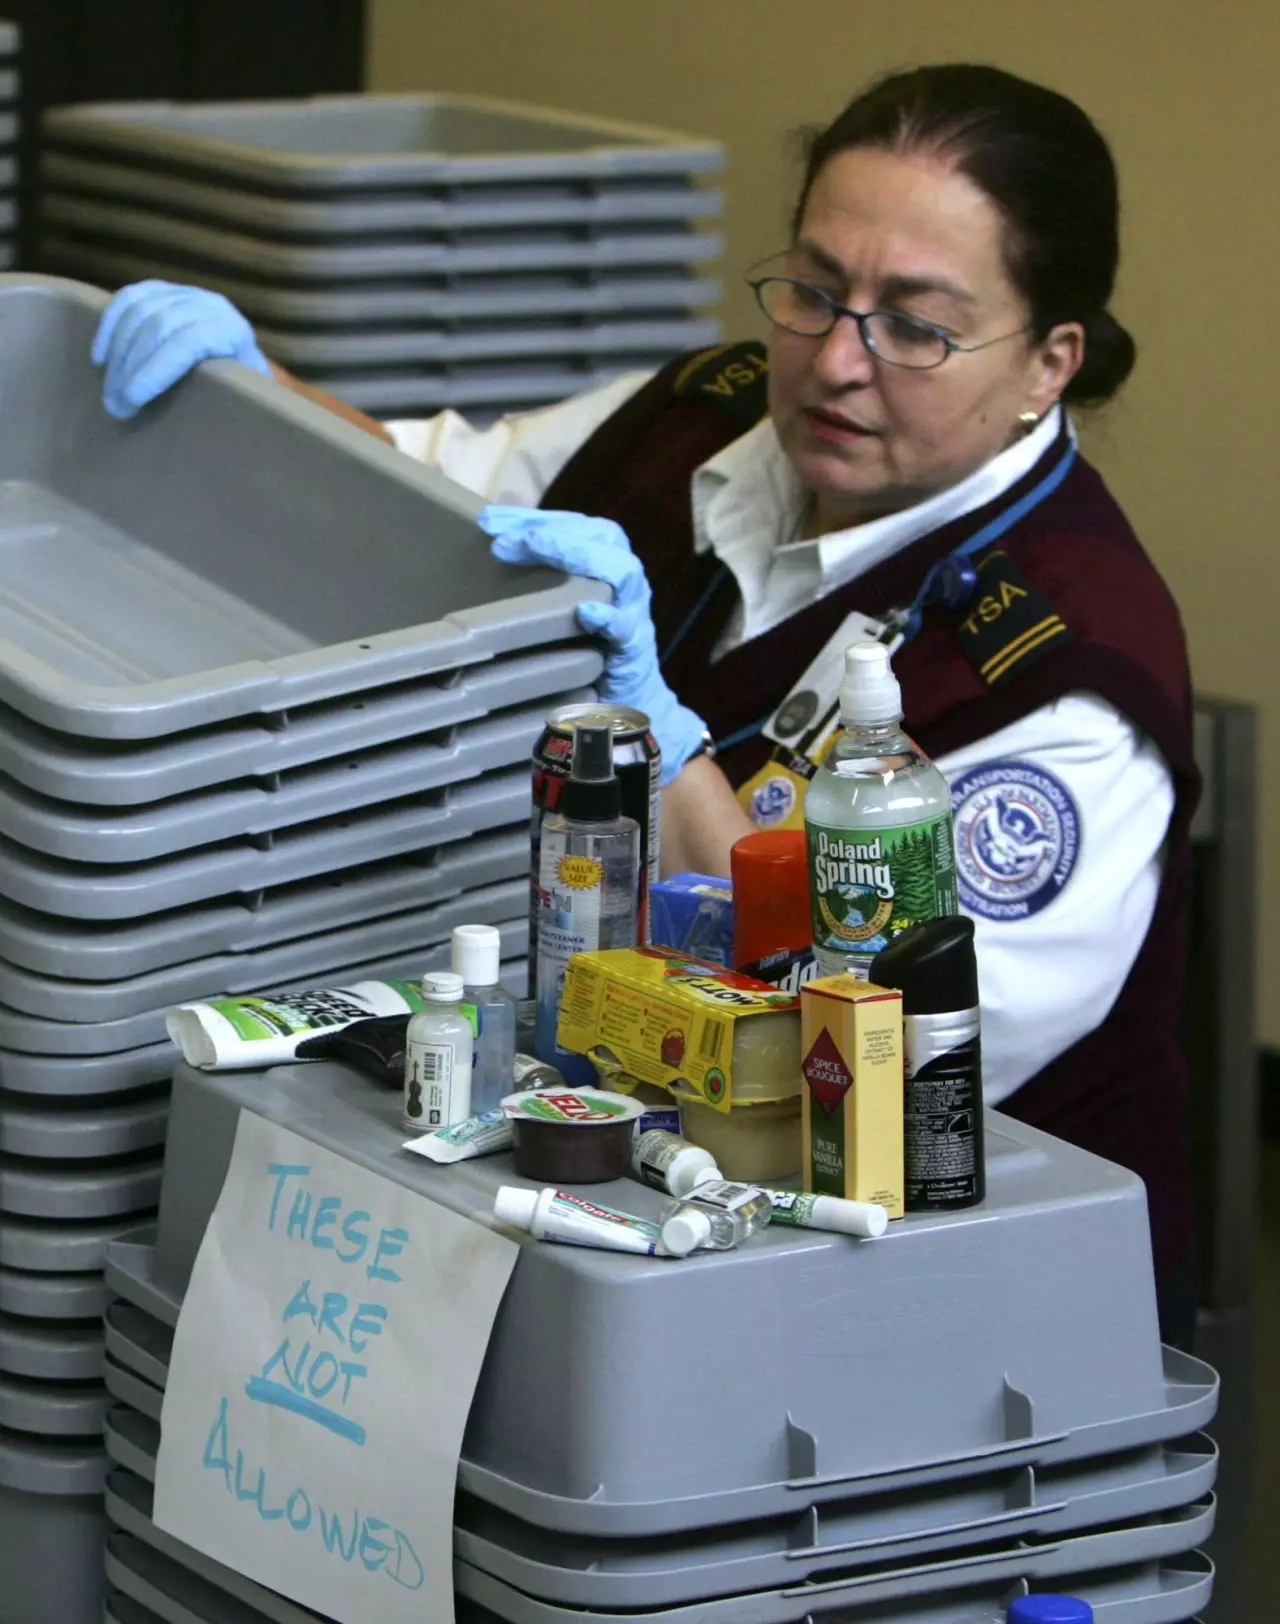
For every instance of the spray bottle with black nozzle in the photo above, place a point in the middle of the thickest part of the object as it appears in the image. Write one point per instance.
(936, 970)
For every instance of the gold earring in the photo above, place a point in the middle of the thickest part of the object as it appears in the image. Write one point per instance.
(1027, 421)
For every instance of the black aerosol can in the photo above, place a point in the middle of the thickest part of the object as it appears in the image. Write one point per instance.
(935, 968)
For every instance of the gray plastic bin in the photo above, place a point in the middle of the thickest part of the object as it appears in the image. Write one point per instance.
(960, 1403)
(61, 1246)
(100, 1074)
(329, 144)
(28, 1295)
(47, 1128)
(608, 291)
(47, 1409)
(132, 1012)
(181, 578)
(138, 1342)
(39, 953)
(359, 259)
(648, 198)
(302, 795)
(108, 1189)
(479, 387)
(50, 1350)
(96, 773)
(416, 824)
(129, 1389)
(53, 1527)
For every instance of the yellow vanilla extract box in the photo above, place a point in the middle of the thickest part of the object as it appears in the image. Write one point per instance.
(851, 1104)
(655, 1015)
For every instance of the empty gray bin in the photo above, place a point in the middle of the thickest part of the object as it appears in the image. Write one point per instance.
(107, 1189)
(50, 1350)
(50, 1409)
(971, 1399)
(614, 202)
(117, 1014)
(138, 1342)
(59, 1245)
(360, 259)
(59, 1296)
(96, 773)
(47, 1128)
(333, 144)
(602, 292)
(415, 824)
(197, 564)
(126, 1387)
(53, 1527)
(39, 952)
(421, 393)
(302, 795)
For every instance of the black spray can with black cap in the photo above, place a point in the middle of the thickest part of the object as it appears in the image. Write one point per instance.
(935, 968)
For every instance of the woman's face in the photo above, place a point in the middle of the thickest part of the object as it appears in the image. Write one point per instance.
(883, 231)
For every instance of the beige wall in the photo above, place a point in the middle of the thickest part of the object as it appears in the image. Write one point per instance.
(1186, 92)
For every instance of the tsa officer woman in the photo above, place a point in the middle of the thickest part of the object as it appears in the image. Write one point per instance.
(902, 450)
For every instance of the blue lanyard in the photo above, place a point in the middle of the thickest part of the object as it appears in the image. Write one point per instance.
(949, 582)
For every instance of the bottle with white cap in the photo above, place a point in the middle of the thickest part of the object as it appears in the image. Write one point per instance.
(877, 817)
(437, 1057)
(492, 1012)
(714, 1217)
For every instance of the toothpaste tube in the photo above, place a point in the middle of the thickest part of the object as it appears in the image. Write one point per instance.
(804, 1211)
(477, 1136)
(229, 1034)
(572, 1220)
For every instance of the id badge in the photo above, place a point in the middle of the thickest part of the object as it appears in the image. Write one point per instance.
(804, 726)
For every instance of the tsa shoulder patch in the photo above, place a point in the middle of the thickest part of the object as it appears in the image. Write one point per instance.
(1010, 623)
(1017, 839)
(732, 377)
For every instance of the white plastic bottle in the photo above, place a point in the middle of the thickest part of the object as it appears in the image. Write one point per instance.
(715, 1216)
(437, 1057)
(492, 1012)
(671, 1164)
(877, 815)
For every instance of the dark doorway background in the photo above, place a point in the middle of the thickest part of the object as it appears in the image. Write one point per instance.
(181, 50)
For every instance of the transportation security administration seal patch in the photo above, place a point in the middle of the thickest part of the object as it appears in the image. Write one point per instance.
(1017, 839)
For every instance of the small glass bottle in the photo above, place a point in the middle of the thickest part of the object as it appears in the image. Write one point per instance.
(715, 1216)
(492, 1011)
(528, 1072)
(437, 1057)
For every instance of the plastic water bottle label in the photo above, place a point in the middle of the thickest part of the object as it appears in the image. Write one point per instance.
(868, 885)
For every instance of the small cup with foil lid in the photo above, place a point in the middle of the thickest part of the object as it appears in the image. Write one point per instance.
(572, 1135)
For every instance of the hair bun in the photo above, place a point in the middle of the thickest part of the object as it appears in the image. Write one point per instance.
(1109, 355)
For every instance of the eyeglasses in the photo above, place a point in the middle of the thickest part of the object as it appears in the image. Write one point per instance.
(899, 339)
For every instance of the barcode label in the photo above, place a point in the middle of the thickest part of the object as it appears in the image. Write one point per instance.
(712, 1042)
(432, 1065)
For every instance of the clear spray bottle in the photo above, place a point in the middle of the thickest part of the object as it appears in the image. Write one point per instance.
(588, 885)
(492, 1011)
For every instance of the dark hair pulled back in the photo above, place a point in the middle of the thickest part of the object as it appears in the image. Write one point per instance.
(1046, 167)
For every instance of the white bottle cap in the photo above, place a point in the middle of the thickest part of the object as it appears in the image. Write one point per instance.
(477, 953)
(863, 1218)
(685, 1231)
(442, 987)
(515, 1206)
(869, 692)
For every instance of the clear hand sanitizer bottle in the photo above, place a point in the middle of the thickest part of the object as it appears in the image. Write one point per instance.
(715, 1216)
(492, 1011)
(877, 816)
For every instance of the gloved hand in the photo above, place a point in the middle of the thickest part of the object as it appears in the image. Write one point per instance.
(599, 549)
(153, 333)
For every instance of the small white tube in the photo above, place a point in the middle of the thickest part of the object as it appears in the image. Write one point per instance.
(804, 1211)
(572, 1220)
(477, 1136)
(230, 1034)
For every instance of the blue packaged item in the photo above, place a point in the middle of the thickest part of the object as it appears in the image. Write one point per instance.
(694, 914)
(1044, 1609)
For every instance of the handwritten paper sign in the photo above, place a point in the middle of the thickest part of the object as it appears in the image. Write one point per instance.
(322, 1371)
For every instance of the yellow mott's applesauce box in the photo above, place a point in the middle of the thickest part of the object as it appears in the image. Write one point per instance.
(685, 1024)
(851, 1104)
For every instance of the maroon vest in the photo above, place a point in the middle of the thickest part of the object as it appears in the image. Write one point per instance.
(1121, 1090)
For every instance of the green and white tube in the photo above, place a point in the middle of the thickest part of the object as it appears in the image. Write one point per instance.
(804, 1211)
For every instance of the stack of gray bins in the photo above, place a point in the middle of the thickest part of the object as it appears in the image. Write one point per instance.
(10, 86)
(266, 712)
(907, 1431)
(407, 253)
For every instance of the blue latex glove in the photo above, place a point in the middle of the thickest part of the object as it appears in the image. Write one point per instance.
(599, 549)
(153, 333)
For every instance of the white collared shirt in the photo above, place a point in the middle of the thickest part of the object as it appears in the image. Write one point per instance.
(1048, 978)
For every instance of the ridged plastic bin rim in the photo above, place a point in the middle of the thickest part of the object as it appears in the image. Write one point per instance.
(442, 299)
(28, 1294)
(72, 1467)
(40, 1410)
(136, 129)
(59, 1246)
